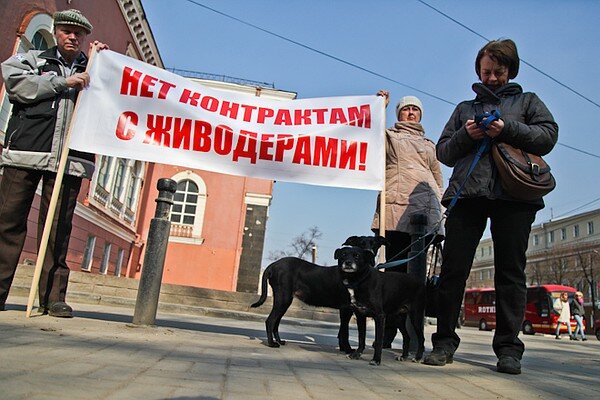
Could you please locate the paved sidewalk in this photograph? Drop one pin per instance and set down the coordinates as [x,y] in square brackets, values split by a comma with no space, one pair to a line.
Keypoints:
[100,355]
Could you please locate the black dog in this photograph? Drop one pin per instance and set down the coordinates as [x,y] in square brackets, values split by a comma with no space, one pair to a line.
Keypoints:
[376,294]
[314,285]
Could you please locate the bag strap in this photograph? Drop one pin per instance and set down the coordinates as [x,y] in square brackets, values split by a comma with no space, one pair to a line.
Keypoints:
[534,169]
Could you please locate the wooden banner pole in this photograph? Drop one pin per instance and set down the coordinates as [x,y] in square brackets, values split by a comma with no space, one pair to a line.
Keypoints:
[52,207]
[382,193]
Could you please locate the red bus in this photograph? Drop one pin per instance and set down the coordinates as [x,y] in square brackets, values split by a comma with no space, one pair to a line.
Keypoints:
[479,309]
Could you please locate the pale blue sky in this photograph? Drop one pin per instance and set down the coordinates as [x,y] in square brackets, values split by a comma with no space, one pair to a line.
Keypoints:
[412,44]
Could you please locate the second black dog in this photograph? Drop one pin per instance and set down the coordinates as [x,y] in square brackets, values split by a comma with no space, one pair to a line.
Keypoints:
[376,294]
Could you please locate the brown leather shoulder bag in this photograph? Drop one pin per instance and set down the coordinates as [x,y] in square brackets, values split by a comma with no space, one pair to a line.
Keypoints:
[523,175]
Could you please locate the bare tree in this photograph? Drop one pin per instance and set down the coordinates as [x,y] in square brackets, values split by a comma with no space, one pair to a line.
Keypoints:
[558,269]
[586,262]
[537,275]
[300,246]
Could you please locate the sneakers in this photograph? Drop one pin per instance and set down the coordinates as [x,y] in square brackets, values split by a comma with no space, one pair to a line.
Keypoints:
[557,337]
[438,357]
[509,365]
[571,337]
[60,309]
[583,339]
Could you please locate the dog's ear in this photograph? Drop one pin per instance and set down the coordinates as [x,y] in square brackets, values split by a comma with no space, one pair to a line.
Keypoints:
[351,241]
[336,255]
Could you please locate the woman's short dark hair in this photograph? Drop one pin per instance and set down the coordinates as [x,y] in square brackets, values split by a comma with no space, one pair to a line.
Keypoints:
[504,52]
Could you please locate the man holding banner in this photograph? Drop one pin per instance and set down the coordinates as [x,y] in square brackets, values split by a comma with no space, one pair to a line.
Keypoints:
[43,87]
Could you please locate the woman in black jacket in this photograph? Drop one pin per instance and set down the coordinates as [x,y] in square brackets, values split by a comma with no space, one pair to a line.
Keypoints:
[578,312]
[524,123]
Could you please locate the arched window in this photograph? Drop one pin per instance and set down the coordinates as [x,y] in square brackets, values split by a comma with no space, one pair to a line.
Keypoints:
[185,203]
[38,35]
[187,212]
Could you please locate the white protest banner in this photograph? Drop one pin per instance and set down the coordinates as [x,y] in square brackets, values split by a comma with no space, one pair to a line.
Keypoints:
[138,111]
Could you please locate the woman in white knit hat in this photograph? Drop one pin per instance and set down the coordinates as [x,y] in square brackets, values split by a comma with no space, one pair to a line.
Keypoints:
[413,186]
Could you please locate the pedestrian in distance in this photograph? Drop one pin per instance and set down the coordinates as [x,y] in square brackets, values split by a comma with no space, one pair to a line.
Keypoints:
[475,194]
[43,87]
[578,312]
[413,185]
[563,309]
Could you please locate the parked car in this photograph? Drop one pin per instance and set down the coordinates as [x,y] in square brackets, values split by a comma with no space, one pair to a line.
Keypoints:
[597,329]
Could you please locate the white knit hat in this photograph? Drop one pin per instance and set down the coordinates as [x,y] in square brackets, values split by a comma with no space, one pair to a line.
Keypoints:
[408,101]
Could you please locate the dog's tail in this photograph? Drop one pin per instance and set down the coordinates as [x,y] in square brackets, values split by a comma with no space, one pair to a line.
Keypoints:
[263,295]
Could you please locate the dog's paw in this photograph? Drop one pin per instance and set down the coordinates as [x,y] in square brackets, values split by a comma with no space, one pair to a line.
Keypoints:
[374,362]
[354,355]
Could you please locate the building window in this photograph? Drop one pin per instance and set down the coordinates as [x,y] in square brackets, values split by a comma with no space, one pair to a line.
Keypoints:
[482,252]
[185,203]
[88,254]
[480,275]
[103,171]
[187,212]
[551,237]
[135,177]
[117,189]
[117,186]
[489,250]
[120,258]
[563,233]
[590,226]
[536,240]
[38,36]
[576,231]
[105,259]
[39,41]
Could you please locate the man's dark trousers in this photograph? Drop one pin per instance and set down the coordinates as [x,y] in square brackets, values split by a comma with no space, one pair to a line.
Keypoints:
[17,191]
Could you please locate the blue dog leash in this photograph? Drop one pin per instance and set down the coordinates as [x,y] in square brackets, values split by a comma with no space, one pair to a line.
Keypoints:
[483,120]
[392,264]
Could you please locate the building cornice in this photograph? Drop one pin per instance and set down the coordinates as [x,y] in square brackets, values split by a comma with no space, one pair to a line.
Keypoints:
[110,226]
[134,15]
